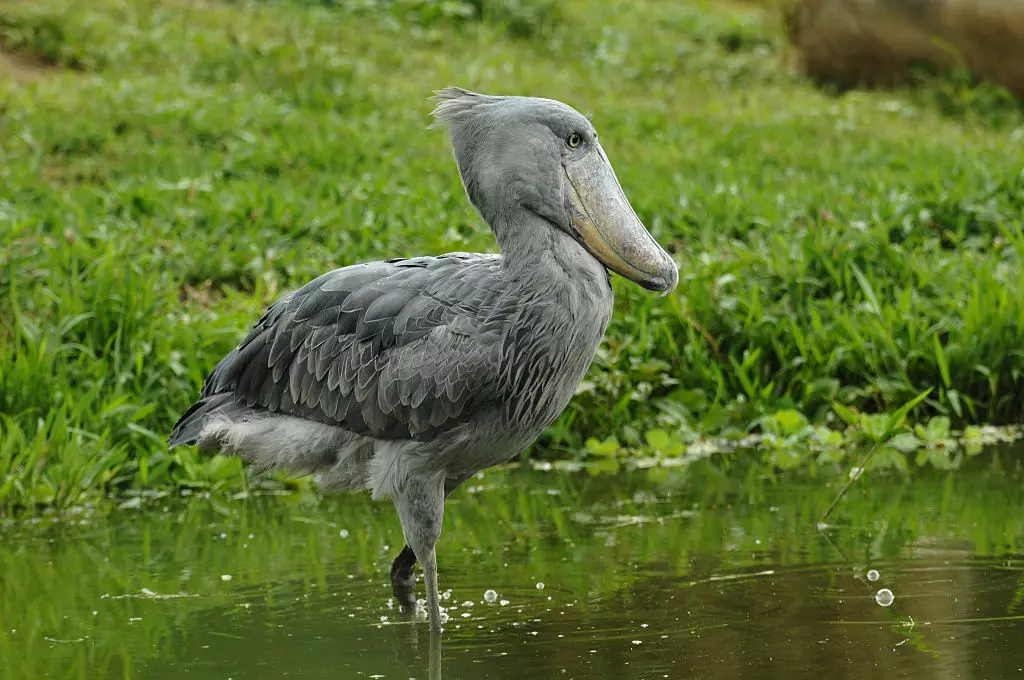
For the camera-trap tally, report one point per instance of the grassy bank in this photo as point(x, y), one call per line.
point(168, 168)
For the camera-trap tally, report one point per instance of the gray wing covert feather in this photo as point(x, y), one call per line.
point(397, 349)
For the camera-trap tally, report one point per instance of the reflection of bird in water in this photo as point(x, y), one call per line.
point(409, 654)
point(406, 377)
point(435, 657)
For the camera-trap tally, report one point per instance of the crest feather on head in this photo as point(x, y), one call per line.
point(454, 103)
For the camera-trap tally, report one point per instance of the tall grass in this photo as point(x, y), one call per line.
point(180, 165)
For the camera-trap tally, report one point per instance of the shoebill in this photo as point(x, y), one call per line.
point(407, 376)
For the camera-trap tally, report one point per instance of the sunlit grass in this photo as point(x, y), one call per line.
point(171, 167)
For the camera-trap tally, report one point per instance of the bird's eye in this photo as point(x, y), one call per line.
point(574, 140)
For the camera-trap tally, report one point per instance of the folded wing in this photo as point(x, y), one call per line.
point(403, 349)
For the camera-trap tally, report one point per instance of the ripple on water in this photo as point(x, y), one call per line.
point(672, 596)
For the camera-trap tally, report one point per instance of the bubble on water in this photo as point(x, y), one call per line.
point(468, 603)
point(225, 577)
point(444, 617)
point(490, 596)
point(884, 597)
point(872, 575)
point(540, 585)
point(504, 603)
point(343, 533)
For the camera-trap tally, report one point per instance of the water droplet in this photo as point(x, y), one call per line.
point(884, 597)
point(225, 577)
point(490, 597)
point(540, 585)
point(872, 575)
point(343, 533)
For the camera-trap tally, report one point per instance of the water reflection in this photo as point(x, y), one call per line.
point(701, 574)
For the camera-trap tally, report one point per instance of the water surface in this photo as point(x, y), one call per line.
point(688, 573)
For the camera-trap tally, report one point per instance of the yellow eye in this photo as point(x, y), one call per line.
point(574, 140)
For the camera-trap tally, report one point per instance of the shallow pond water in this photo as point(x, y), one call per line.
point(695, 572)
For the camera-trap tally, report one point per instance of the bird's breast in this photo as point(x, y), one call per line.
point(547, 351)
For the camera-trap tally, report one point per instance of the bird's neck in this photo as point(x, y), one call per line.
point(546, 261)
point(563, 306)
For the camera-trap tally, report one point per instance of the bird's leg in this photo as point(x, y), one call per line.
point(420, 505)
point(403, 578)
point(429, 562)
point(403, 569)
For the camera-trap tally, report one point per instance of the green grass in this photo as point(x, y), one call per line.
point(171, 167)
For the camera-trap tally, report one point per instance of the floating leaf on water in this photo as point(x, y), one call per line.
point(657, 439)
point(787, 423)
point(133, 503)
point(608, 447)
point(905, 442)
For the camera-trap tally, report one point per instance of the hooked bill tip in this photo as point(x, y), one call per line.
point(666, 282)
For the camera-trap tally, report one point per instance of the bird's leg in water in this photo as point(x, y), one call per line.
point(403, 578)
point(429, 562)
point(403, 569)
point(420, 505)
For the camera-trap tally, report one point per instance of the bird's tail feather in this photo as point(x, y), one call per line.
point(200, 414)
point(273, 442)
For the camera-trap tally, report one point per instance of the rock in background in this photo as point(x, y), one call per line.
point(878, 42)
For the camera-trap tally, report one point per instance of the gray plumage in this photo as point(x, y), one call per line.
point(408, 376)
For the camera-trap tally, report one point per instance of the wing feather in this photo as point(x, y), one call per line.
point(398, 349)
